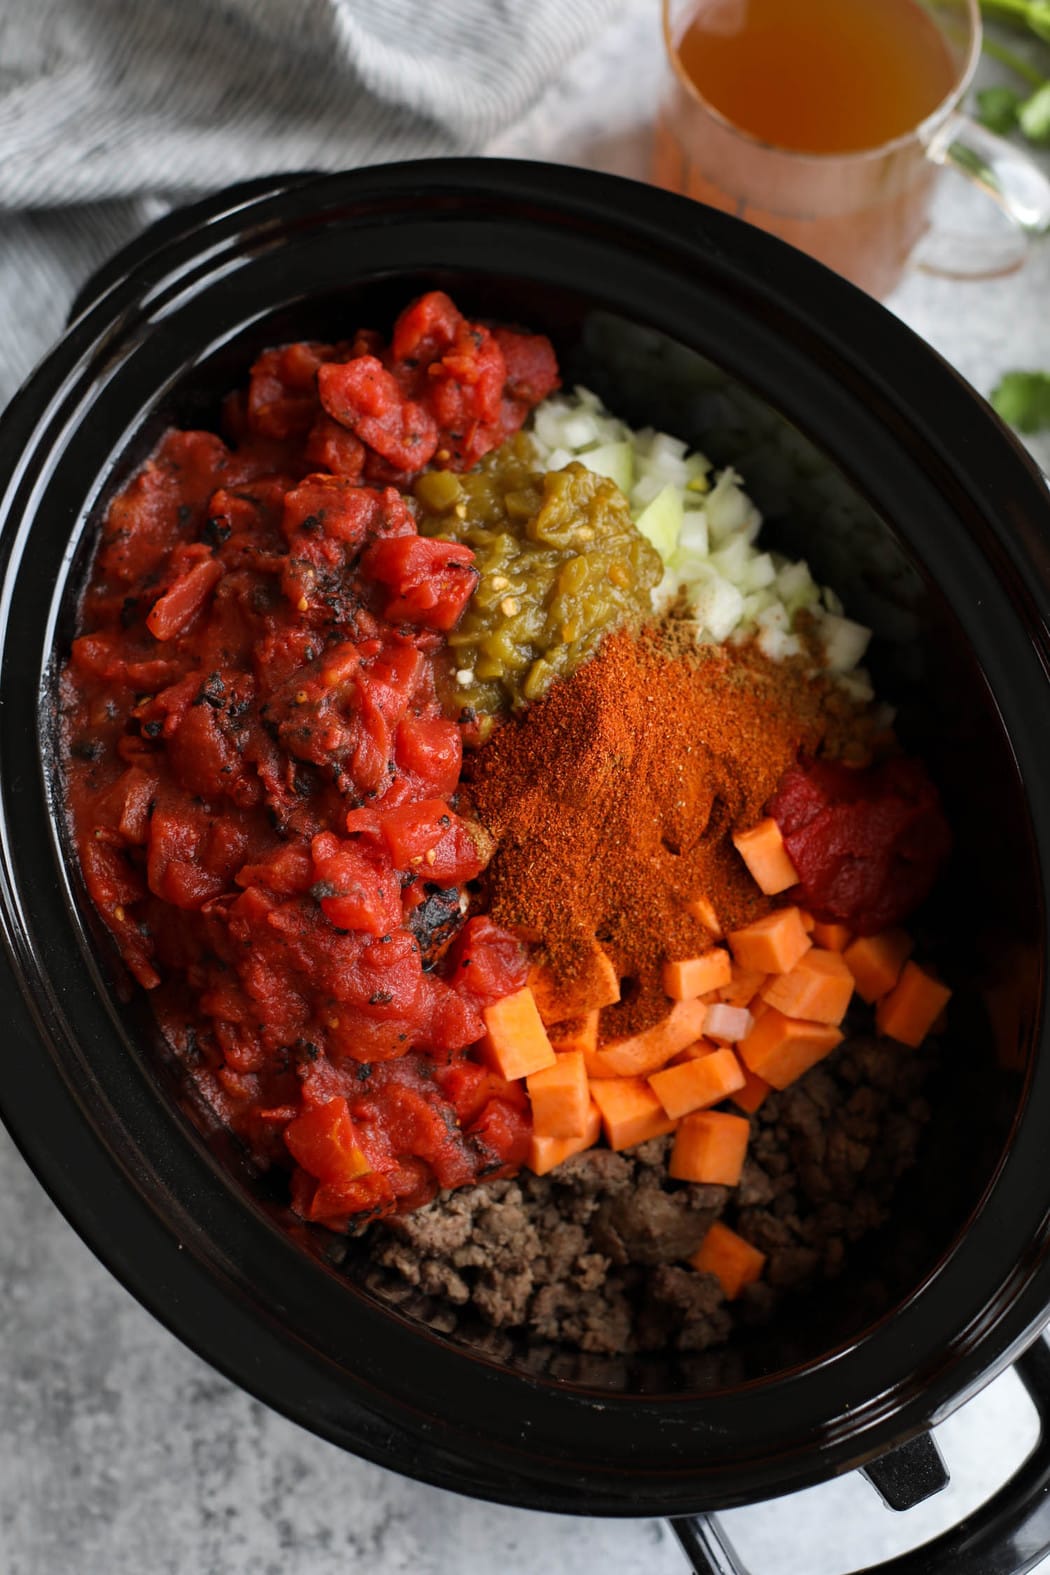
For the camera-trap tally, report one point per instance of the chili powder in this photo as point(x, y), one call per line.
point(612, 802)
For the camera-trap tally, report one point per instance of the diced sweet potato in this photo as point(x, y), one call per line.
point(653, 1047)
point(709, 1147)
point(578, 1033)
point(693, 1052)
point(819, 988)
point(762, 850)
point(703, 908)
point(595, 983)
point(631, 1112)
point(560, 1097)
point(693, 1085)
point(753, 1094)
point(809, 923)
point(516, 1041)
point(875, 961)
point(912, 1007)
point(743, 986)
point(732, 1260)
point(698, 975)
point(547, 1152)
point(779, 1049)
point(833, 937)
point(773, 944)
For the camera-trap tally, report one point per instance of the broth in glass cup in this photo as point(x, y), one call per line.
point(826, 122)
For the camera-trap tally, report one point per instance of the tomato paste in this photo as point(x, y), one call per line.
point(262, 782)
point(867, 844)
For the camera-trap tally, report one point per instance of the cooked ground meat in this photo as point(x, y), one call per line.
point(591, 1255)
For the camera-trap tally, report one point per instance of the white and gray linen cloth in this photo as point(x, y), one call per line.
point(110, 110)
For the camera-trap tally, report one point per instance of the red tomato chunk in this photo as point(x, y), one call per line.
point(261, 779)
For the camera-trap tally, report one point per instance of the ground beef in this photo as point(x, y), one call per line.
point(591, 1256)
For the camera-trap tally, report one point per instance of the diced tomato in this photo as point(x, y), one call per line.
point(363, 396)
point(414, 830)
point(425, 330)
point(331, 505)
point(503, 1132)
point(331, 447)
point(323, 1142)
point(487, 961)
point(261, 774)
point(469, 1087)
point(355, 893)
point(333, 1203)
point(282, 395)
point(430, 581)
point(432, 750)
point(389, 977)
point(532, 367)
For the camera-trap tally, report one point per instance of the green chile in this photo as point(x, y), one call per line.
point(561, 564)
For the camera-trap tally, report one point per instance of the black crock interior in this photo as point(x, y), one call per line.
point(849, 483)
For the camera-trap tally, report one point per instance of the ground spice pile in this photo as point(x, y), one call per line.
point(613, 800)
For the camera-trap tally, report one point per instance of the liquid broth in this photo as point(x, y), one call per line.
point(818, 76)
point(818, 88)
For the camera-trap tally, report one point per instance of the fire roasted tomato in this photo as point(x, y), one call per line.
point(261, 777)
point(430, 581)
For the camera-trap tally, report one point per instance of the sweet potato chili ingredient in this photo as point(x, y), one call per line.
point(261, 777)
point(733, 1261)
point(561, 563)
point(612, 802)
point(867, 844)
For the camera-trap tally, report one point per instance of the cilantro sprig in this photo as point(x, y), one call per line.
point(1021, 398)
point(1005, 109)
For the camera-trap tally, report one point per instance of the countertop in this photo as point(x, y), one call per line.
point(121, 1453)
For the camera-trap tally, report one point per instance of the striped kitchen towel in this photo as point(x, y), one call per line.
point(111, 109)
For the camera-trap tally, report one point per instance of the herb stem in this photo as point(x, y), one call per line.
point(1011, 8)
point(1014, 61)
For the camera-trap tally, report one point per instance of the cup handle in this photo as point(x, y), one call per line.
point(1014, 182)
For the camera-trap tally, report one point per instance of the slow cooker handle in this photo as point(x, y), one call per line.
point(1008, 1535)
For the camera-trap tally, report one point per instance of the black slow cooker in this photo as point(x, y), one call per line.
point(873, 460)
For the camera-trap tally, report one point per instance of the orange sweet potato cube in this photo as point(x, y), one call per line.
point(631, 1112)
point(653, 1047)
point(595, 984)
point(577, 1033)
point(709, 1147)
point(819, 988)
point(875, 961)
point(762, 850)
point(707, 1080)
point(753, 1094)
point(703, 908)
point(698, 975)
point(833, 937)
point(732, 1260)
point(516, 1041)
point(779, 1049)
point(773, 944)
point(912, 1007)
point(560, 1097)
point(743, 986)
point(547, 1152)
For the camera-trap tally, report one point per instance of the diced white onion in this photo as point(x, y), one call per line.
point(727, 1024)
point(705, 528)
